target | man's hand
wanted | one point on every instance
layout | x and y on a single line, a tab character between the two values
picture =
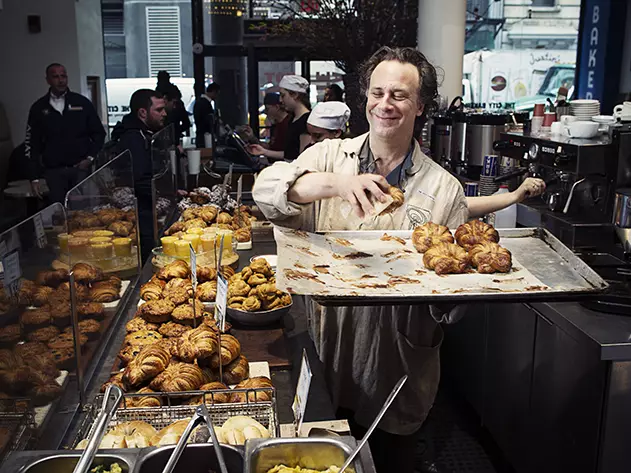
84	165
36	189
257	150
531	187
356	189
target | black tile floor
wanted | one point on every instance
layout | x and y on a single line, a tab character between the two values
454	438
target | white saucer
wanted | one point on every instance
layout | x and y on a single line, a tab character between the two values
604	119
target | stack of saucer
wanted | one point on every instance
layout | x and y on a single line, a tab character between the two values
584	109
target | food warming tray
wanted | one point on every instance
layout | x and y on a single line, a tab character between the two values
382	267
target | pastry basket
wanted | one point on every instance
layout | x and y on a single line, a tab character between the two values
173	410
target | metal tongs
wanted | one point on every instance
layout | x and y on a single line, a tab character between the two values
201	415
102	421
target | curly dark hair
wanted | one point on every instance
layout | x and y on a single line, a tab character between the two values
428	90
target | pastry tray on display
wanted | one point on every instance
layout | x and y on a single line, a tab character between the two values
383	267
171	410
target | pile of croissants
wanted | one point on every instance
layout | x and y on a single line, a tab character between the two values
212	216
474	243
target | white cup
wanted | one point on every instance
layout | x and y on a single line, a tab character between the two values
536	124
208	140
194	161
582	129
623	109
557	128
567	119
173	158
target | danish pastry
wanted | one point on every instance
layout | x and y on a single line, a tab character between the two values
227	271
256	279
121	228
251	304
104	292
475	231
156	312
207	292
224	217
177	269
236	371
149	363
430	234
238	288
211	397
490	258
208	214
261	266
446	258
150	291
205	274
243	235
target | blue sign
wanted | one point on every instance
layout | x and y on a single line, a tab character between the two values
593	49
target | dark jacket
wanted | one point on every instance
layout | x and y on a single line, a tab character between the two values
55	140
204	115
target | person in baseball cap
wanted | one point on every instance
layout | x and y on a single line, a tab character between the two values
294	95
328	120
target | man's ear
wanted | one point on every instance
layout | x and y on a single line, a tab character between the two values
420	110
142	114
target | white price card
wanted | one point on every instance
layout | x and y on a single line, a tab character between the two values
40	234
302	392
193	259
221	302
12	273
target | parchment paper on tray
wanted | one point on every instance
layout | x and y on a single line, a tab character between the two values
371	267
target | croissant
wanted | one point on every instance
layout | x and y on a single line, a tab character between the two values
178	377
104	292
446	258
128	353
475	231
116	380
41	295
429	234
206	273
121	228
230	351
191	213
150	291
179	283
52	278
175	228
257	382
208	214
198	343
149	363
397	200
207	292
177	269
261	266
194	223
243	235
144	401
114	281
211	398
490	258
86	273
236	371
224	217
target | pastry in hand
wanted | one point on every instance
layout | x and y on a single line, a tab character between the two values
149	363
206	273
446	258
178	377
142	337
490	258
104	292
176	269
230	351
211	397
156	312
236	371
397	200
207	292
474	232
86	273
258	382
429	234
138	323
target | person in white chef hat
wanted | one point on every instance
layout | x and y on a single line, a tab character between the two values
294	95
327	121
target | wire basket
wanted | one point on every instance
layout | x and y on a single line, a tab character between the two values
17	425
172	409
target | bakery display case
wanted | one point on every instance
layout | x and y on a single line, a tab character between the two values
164	180
39	353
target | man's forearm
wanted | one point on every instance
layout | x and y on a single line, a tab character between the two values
479	206
312	187
270	153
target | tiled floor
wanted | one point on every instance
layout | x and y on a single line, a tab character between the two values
459	443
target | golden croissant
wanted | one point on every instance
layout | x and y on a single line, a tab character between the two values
446	258
475	231
429	234
490	258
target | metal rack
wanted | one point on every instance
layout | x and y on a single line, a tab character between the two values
16	424
173	409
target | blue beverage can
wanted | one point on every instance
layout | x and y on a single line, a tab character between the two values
489	168
471	189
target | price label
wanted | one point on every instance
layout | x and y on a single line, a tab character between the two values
40	234
221	302
12	273
302	392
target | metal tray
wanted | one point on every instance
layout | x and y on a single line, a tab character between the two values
543	270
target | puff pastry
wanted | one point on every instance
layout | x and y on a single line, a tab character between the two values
177	269
230	351
207	292
429	234
475	231
149	363
397	200
257	382
212	397
178	377
199	343
206	273
236	371
446	258
86	273
104	292
150	291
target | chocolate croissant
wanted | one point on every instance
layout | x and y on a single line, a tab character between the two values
429	234
475	231
150	362
104	292
150	291
446	258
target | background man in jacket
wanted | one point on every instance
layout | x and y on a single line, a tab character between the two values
63	136
204	113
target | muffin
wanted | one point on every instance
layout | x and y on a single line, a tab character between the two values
60	314
43	334
91	310
10	334
66	340
90	328
35	318
64	358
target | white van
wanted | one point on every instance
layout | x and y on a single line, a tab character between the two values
119	92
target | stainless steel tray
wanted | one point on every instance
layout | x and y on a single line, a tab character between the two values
360	268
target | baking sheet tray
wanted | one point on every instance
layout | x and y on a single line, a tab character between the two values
366	268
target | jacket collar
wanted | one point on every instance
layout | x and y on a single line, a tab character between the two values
353	147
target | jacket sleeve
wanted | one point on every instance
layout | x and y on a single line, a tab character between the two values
95	130
199	114
270	189
33	144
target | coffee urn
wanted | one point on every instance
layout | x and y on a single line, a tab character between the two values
442	128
